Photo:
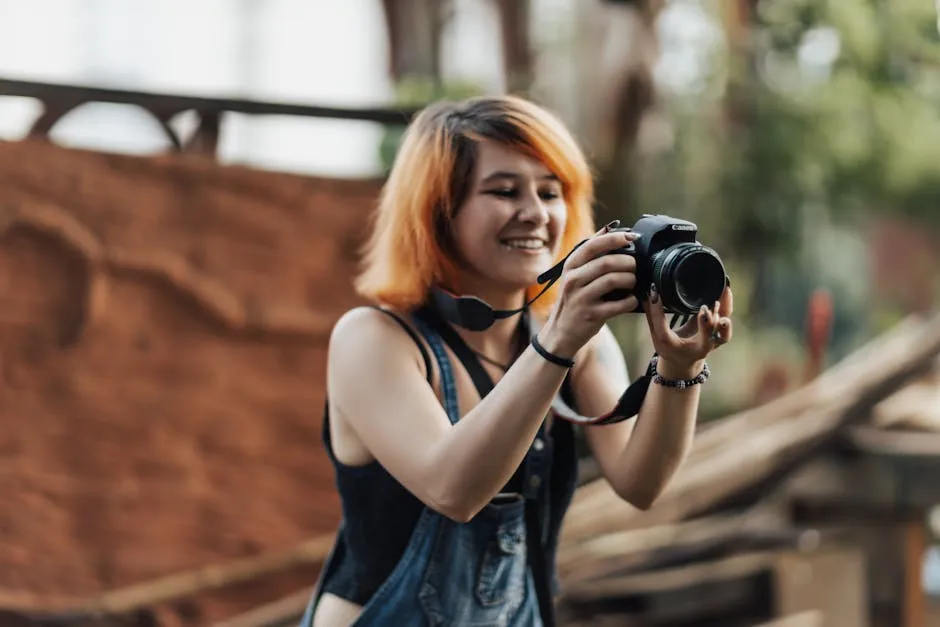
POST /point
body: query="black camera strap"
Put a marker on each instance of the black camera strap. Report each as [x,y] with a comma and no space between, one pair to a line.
[474,314]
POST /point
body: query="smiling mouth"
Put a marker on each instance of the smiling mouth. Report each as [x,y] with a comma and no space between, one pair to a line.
[524,243]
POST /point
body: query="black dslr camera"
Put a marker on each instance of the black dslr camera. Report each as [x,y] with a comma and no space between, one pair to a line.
[686,273]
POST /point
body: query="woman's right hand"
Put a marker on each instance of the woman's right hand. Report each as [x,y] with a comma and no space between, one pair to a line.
[589,274]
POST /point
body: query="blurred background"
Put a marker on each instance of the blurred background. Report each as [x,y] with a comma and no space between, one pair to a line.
[182,192]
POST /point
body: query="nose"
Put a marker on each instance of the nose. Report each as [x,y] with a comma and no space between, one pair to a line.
[533,210]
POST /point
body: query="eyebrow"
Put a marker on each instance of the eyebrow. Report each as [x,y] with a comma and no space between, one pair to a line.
[505,174]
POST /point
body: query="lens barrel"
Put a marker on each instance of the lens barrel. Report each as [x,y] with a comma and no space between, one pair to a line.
[688,276]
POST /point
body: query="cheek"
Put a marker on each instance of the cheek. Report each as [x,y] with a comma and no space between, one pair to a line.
[469,228]
[558,220]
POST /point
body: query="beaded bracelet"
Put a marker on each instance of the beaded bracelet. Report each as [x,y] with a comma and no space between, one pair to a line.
[679,384]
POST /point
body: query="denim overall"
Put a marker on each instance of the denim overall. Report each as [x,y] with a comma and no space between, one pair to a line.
[470,574]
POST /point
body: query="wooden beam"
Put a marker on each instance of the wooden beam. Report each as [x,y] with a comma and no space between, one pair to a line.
[180,585]
[914,609]
[73,94]
[876,441]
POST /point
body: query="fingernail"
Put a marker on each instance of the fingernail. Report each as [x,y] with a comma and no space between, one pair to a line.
[654,295]
[632,235]
[613,224]
[703,311]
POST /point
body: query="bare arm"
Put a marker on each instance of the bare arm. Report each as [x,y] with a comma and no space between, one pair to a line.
[639,456]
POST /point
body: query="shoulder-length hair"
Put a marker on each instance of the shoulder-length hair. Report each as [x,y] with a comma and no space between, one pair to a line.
[408,250]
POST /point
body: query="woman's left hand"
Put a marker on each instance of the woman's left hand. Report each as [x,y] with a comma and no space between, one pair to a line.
[681,350]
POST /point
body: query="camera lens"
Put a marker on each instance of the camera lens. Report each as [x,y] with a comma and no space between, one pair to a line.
[688,276]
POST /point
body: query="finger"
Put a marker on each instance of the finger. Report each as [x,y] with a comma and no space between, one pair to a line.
[656,316]
[727,302]
[605,283]
[706,323]
[725,330]
[597,246]
[607,228]
[704,316]
[605,310]
[603,265]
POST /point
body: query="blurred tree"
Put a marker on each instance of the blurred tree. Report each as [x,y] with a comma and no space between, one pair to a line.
[517,47]
[624,94]
[414,35]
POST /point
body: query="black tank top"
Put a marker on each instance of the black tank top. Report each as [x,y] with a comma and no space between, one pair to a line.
[380,514]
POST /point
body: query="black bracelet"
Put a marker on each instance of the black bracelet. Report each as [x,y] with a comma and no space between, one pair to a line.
[680,384]
[555,359]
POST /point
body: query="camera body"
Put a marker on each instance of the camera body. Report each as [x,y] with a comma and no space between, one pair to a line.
[686,273]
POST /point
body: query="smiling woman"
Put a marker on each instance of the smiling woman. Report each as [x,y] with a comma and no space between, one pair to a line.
[453,473]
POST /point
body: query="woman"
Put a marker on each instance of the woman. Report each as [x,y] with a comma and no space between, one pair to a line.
[452,504]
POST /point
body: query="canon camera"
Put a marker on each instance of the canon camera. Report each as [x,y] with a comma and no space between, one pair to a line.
[686,273]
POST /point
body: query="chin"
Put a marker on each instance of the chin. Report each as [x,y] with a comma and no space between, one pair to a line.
[520,280]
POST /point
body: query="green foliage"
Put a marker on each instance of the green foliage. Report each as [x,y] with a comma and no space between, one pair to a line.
[868,137]
[830,115]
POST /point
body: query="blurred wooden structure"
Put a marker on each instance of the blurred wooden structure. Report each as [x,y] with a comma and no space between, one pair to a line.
[814,502]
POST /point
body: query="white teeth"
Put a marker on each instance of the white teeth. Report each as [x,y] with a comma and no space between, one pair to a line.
[528,244]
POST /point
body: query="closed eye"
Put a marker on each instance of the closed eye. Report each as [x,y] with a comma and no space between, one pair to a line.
[512,193]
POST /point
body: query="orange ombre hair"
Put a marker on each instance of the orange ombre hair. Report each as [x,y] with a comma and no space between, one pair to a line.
[408,251]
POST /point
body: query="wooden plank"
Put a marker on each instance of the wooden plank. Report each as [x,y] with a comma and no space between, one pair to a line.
[812,618]
[915,407]
[180,585]
[672,578]
[832,583]
[651,547]
[885,482]
[712,590]
[894,443]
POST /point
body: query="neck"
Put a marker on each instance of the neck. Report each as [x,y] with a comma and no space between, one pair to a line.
[500,342]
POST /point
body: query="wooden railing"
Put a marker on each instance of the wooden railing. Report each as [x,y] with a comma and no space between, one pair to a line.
[60,99]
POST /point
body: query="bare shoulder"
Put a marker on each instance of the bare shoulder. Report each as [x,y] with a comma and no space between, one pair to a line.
[364,336]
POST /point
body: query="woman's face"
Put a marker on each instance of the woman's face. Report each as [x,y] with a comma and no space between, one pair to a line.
[507,230]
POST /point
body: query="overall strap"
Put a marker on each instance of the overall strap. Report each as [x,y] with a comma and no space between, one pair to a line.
[480,377]
[448,383]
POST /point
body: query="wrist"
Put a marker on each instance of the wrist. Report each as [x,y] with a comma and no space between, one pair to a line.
[555,342]
[670,369]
